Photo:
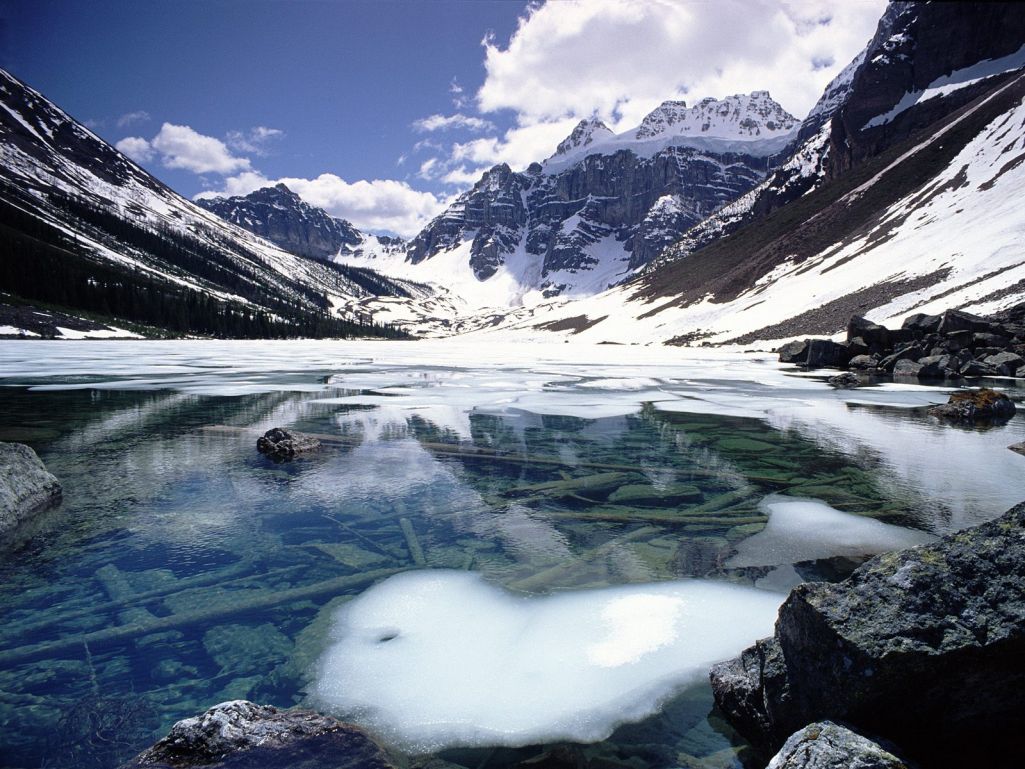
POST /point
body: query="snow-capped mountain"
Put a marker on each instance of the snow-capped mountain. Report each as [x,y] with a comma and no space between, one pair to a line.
[286,220]
[902,195]
[600,208]
[125,245]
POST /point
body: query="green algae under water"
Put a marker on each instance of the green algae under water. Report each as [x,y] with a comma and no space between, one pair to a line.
[184,569]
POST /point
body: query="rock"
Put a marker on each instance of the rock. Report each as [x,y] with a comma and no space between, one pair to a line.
[875,336]
[845,380]
[1007,363]
[934,366]
[794,352]
[1018,447]
[823,353]
[955,320]
[921,323]
[907,368]
[982,405]
[977,368]
[863,362]
[825,745]
[1020,373]
[909,352]
[856,347]
[921,647]
[989,340]
[243,734]
[26,486]
[285,444]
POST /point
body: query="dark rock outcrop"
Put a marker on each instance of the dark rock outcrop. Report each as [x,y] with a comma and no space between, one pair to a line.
[286,220]
[280,443]
[921,647]
[243,734]
[26,486]
[845,380]
[970,406]
[825,745]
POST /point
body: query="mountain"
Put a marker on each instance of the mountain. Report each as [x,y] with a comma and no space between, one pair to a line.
[901,195]
[282,217]
[84,229]
[604,205]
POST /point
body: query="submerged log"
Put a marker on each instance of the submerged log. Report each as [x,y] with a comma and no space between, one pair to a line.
[415,551]
[210,614]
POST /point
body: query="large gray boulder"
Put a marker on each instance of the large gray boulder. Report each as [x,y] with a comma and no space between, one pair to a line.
[924,647]
[279,443]
[26,487]
[825,745]
[243,734]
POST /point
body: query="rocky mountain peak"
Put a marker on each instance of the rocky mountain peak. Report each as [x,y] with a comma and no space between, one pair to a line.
[741,116]
[586,132]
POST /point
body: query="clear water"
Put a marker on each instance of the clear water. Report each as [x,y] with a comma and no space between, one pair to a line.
[184,569]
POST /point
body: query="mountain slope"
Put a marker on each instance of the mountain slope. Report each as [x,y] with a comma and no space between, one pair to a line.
[126,245]
[920,214]
[602,206]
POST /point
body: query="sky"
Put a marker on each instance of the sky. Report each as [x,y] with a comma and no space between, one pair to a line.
[382,111]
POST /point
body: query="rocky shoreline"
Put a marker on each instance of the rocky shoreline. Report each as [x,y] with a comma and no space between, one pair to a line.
[950,346]
[922,648]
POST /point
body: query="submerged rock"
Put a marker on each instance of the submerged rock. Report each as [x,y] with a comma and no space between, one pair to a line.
[26,487]
[244,734]
[922,647]
[285,444]
[825,745]
[845,380]
[983,405]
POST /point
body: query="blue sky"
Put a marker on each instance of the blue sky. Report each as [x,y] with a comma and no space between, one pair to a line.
[380,111]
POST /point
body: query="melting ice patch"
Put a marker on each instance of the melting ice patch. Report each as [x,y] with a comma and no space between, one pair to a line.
[434,659]
[806,529]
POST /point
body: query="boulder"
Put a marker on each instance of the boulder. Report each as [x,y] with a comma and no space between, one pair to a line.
[794,352]
[920,323]
[863,362]
[1020,373]
[934,366]
[285,444]
[825,745]
[1006,363]
[970,406]
[26,486]
[977,368]
[243,734]
[846,380]
[956,320]
[856,347]
[875,336]
[823,353]
[909,352]
[922,647]
[907,368]
[1018,448]
[983,339]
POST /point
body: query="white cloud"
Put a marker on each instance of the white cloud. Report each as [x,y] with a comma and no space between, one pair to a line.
[131,118]
[458,120]
[428,169]
[621,58]
[182,147]
[137,148]
[255,140]
[380,205]
[519,147]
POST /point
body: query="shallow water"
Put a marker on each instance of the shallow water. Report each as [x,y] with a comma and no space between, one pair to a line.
[184,569]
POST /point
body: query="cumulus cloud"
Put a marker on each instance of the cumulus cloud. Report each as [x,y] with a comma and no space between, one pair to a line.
[254,141]
[182,147]
[131,118]
[137,148]
[458,120]
[619,59]
[379,205]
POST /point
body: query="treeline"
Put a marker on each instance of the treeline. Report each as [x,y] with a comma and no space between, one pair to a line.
[40,263]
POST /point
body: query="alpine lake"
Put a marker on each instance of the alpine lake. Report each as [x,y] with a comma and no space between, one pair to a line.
[183,568]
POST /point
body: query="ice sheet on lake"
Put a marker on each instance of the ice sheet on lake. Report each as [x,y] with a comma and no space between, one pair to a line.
[430,659]
[806,530]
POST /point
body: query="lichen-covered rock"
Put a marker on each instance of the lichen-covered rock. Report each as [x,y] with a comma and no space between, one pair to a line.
[26,486]
[825,745]
[243,734]
[982,405]
[285,444]
[922,647]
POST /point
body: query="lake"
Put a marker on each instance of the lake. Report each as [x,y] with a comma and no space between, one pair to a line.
[499,548]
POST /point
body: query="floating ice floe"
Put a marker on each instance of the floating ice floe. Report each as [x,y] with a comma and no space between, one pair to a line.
[806,530]
[434,659]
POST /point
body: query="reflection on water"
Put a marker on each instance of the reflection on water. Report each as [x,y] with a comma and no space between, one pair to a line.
[184,569]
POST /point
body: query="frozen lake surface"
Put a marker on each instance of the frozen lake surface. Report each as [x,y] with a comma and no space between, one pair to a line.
[627,516]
